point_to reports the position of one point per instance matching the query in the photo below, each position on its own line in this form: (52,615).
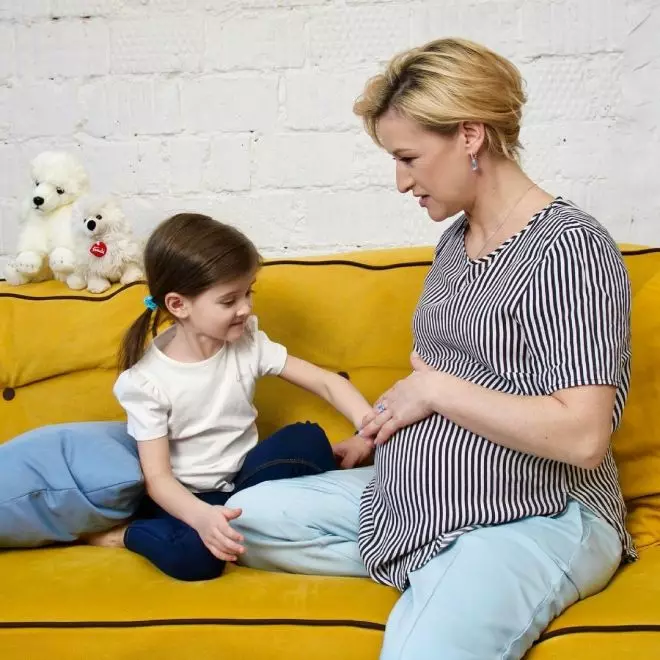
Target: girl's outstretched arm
(332,387)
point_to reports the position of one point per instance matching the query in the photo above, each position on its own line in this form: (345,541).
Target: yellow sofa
(350,314)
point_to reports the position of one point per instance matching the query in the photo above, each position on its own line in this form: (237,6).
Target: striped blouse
(549,309)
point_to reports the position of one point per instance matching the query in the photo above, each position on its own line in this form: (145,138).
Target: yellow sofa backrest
(351,314)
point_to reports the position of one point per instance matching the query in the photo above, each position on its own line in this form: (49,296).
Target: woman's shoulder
(570,216)
(565,227)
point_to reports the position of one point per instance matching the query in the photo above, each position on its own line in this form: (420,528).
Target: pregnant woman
(493,500)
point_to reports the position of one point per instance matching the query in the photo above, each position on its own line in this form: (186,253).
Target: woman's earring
(473,163)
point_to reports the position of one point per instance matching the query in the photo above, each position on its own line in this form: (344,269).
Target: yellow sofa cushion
(133,611)
(350,314)
(637,443)
(58,348)
(620,623)
(114,603)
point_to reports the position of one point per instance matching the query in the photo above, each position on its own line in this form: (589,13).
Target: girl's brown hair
(446,82)
(187,253)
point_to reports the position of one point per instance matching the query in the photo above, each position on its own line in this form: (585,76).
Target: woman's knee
(263,507)
(253,498)
(286,510)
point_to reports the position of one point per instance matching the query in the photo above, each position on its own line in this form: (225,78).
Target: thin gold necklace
(508,215)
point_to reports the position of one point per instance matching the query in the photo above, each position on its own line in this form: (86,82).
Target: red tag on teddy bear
(98,249)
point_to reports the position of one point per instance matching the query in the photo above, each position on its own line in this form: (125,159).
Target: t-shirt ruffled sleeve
(270,356)
(147,410)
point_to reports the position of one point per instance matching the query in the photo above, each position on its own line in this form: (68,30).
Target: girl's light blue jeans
(487,596)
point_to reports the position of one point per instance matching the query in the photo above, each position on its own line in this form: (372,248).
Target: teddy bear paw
(13,277)
(132,274)
(97,285)
(76,282)
(28,263)
(61,261)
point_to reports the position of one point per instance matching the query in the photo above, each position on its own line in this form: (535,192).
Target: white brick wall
(242,108)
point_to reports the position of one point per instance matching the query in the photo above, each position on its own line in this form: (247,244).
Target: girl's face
(221,312)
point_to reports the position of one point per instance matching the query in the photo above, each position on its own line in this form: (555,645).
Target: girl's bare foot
(113,538)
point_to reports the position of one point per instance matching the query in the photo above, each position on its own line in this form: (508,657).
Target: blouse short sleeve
(271,356)
(575,313)
(147,411)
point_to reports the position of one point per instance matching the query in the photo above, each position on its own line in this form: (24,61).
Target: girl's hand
(353,452)
(404,404)
(217,535)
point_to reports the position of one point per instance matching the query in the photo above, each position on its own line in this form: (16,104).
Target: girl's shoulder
(136,385)
(263,354)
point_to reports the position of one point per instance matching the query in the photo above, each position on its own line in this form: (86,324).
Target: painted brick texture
(243,109)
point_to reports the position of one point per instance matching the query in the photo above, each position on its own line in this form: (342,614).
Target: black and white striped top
(547,310)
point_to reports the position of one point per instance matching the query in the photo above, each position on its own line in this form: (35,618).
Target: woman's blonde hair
(446,82)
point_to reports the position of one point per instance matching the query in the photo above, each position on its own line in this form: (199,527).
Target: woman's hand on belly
(404,404)
(571,425)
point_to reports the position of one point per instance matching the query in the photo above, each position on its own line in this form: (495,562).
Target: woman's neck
(505,200)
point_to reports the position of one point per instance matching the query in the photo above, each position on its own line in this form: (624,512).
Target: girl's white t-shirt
(205,408)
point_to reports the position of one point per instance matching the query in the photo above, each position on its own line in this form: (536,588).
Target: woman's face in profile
(434,167)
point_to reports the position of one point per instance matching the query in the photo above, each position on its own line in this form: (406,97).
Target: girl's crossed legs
(177,549)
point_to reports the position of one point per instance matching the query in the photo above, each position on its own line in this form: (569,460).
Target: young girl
(188,399)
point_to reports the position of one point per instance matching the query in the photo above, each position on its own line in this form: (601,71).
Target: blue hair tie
(150,304)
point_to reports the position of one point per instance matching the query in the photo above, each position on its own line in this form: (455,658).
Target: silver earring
(473,163)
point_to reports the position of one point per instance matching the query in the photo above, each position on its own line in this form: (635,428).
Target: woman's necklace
(501,224)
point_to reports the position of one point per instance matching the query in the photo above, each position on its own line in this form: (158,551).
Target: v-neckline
(493,253)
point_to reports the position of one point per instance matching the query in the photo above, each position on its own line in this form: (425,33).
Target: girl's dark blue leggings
(177,549)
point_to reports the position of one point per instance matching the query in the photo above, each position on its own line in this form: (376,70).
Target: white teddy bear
(45,243)
(105,249)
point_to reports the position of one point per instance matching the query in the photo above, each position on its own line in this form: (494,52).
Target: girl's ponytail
(132,347)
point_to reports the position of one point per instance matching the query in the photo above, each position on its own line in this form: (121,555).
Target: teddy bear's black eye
(99,217)
(36,183)
(60,191)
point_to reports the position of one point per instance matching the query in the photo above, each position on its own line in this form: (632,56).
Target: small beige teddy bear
(104,246)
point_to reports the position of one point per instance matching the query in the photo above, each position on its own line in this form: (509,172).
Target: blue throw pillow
(59,482)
